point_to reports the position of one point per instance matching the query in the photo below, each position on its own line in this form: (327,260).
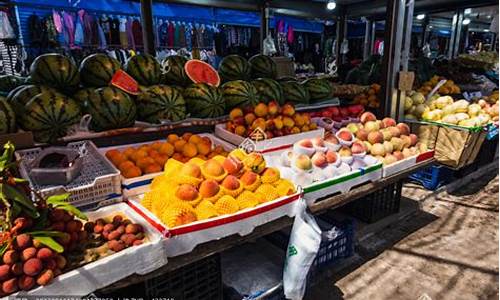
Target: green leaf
(4,247)
(16,210)
(45,233)
(12,194)
(20,180)
(50,242)
(56,199)
(6,158)
(71,209)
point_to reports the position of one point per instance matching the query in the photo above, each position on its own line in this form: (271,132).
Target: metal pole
(366,46)
(372,38)
(456,28)
(408,30)
(147,26)
(264,23)
(341,30)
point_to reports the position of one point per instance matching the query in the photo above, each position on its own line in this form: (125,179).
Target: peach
(4,272)
(213,167)
(397,143)
(368,146)
(318,142)
(28,253)
(319,160)
(45,277)
(345,151)
(249,118)
(186,192)
(248,178)
(375,137)
(362,134)
(231,182)
(398,155)
(358,148)
(288,110)
(10,257)
(380,124)
(331,157)
(378,149)
(353,127)
(394,131)
(387,134)
(388,122)
(303,162)
(388,147)
(209,188)
(113,235)
(116,246)
(389,159)
(306,143)
(273,108)
(345,135)
(406,141)
(260,110)
(22,241)
(403,128)
(191,169)
(407,152)
(414,139)
(26,283)
(128,239)
(109,227)
(235,113)
(232,165)
(367,116)
(121,229)
(44,253)
(9,286)
(133,228)
(32,266)
(17,268)
(371,126)
(332,139)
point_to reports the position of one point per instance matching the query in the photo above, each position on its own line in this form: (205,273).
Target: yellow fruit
(205,210)
(247,199)
(179,145)
(295,130)
(171,138)
(212,169)
(189,150)
(147,201)
(261,110)
(254,162)
(238,153)
(167,149)
(178,214)
(195,139)
(270,175)
(235,113)
(266,192)
(285,188)
(226,205)
(288,122)
(240,130)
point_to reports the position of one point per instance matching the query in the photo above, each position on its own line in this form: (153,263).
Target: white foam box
(140,260)
(140,185)
(183,239)
(269,145)
(406,163)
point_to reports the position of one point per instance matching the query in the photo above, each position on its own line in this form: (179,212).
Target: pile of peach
(119,233)
(151,158)
(274,120)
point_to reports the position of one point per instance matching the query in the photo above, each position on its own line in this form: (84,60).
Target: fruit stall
(113,174)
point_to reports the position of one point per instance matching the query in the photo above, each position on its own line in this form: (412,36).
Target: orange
(194,139)
(138,154)
(152,168)
(206,139)
(124,166)
(201,156)
(185,159)
(171,138)
(111,153)
(118,158)
(240,130)
(144,162)
(179,145)
(156,145)
(203,148)
(167,149)
(153,153)
(189,150)
(218,149)
(186,136)
(177,156)
(132,172)
(161,160)
(129,152)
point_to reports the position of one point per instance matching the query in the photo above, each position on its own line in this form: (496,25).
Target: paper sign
(125,82)
(406,80)
(492,131)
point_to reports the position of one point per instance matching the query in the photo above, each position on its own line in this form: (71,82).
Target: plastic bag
(303,247)
(269,47)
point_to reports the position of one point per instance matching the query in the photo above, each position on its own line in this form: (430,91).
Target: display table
(214,247)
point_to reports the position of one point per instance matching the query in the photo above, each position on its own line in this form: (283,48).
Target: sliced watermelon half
(201,72)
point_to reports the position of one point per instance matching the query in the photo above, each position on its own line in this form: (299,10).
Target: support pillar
(456,33)
(147,26)
(368,38)
(408,28)
(340,34)
(372,38)
(264,23)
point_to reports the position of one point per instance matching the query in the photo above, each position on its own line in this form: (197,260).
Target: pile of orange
(370,97)
(151,158)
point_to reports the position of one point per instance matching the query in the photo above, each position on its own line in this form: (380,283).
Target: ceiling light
(488,17)
(466,21)
(486,30)
(421,17)
(467,11)
(331,5)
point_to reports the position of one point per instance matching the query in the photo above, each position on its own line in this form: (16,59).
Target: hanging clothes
(69,29)
(123,33)
(182,36)
(88,30)
(137,33)
(163,34)
(101,37)
(79,33)
(177,35)
(171,35)
(115,31)
(189,36)
(130,34)
(6,30)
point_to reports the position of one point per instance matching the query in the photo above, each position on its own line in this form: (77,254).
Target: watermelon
(10,82)
(55,70)
(201,72)
(19,100)
(286,79)
(49,116)
(268,90)
(239,93)
(234,67)
(262,66)
(319,89)
(83,95)
(7,117)
(295,92)
(11,94)
(204,101)
(145,69)
(174,71)
(110,108)
(97,70)
(161,102)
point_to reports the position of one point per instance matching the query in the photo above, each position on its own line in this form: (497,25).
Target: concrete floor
(448,249)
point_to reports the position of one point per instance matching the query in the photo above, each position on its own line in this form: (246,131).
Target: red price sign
(125,82)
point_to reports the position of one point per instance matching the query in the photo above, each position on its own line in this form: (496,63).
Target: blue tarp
(298,24)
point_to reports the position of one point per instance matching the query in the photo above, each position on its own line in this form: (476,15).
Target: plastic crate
(97,185)
(433,176)
(377,205)
(198,281)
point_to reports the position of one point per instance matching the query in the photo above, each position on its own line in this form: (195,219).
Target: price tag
(492,131)
(406,80)
(125,82)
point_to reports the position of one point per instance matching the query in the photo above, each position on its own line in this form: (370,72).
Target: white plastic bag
(269,47)
(302,249)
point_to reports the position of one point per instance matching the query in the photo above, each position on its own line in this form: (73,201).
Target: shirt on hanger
(6,30)
(79,34)
(123,33)
(137,33)
(115,31)
(171,33)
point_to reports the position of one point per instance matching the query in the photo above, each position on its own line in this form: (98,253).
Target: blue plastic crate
(433,177)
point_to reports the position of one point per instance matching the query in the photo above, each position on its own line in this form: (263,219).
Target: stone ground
(448,249)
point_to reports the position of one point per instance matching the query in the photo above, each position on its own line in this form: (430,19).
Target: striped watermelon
(319,89)
(286,79)
(7,117)
(83,95)
(262,66)
(145,69)
(161,102)
(204,101)
(96,70)
(295,92)
(174,71)
(49,116)
(234,67)
(10,82)
(268,90)
(55,70)
(11,94)
(239,93)
(110,108)
(19,100)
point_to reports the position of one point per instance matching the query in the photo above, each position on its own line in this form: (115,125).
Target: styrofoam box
(406,163)
(269,145)
(140,185)
(183,239)
(140,260)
